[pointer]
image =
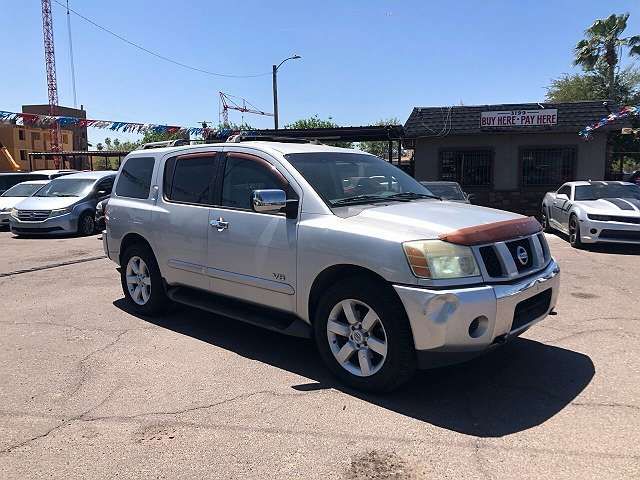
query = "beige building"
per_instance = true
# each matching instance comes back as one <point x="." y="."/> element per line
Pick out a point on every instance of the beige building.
<point x="22" y="140"/>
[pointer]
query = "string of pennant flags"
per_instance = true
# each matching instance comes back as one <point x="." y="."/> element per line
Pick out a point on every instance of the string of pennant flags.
<point x="49" y="121"/>
<point x="612" y="117"/>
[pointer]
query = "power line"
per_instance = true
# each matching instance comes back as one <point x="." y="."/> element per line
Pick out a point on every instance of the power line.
<point x="158" y="55"/>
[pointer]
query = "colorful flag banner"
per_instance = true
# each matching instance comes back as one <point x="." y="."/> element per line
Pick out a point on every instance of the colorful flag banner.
<point x="612" y="117"/>
<point x="48" y="121"/>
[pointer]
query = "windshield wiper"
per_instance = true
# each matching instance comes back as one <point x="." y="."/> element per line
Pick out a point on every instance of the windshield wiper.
<point x="413" y="195"/>
<point x="358" y="199"/>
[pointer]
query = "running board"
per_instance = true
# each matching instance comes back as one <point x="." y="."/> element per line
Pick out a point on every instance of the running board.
<point x="264" y="317"/>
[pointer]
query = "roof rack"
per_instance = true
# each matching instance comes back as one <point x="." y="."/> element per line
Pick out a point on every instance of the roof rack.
<point x="248" y="137"/>
<point x="166" y="143"/>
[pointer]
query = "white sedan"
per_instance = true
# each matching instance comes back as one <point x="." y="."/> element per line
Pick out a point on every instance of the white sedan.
<point x="594" y="212"/>
<point x="10" y="198"/>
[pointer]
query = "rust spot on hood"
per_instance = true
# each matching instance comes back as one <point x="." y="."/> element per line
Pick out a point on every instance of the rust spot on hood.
<point x="493" y="232"/>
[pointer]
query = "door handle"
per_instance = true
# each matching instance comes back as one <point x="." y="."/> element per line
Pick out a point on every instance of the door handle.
<point x="219" y="224"/>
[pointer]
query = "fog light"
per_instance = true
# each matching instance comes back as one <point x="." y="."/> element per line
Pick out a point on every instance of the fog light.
<point x="478" y="326"/>
<point x="593" y="231"/>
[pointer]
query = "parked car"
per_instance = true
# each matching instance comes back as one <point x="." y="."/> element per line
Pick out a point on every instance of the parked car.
<point x="15" y="195"/>
<point x="385" y="277"/>
<point x="447" y="191"/>
<point x="9" y="179"/>
<point x="594" y="212"/>
<point x="99" y="219"/>
<point x="65" y="205"/>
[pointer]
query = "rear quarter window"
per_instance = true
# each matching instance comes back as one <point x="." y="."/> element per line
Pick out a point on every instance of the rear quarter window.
<point x="134" y="180"/>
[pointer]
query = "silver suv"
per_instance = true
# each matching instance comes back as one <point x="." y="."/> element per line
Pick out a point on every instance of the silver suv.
<point x="331" y="244"/>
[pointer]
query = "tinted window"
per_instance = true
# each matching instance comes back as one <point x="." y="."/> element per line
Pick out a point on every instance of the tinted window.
<point x="243" y="175"/>
<point x="135" y="178"/>
<point x="106" y="185"/>
<point x="566" y="190"/>
<point x="192" y="180"/>
<point x="8" y="181"/>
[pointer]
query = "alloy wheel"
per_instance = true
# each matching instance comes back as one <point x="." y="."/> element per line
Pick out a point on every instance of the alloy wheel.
<point x="357" y="337"/>
<point x="572" y="230"/>
<point x="138" y="280"/>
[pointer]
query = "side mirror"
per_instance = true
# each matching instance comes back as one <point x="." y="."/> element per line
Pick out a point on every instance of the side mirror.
<point x="268" y="201"/>
<point x="102" y="192"/>
<point x="470" y="196"/>
<point x="562" y="196"/>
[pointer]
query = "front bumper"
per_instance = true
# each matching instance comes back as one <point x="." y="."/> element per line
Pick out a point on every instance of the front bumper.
<point x="453" y="325"/>
<point x="62" y="224"/>
<point x="593" y="231"/>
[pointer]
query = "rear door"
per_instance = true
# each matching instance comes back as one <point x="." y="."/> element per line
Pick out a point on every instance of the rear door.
<point x="252" y="255"/>
<point x="181" y="221"/>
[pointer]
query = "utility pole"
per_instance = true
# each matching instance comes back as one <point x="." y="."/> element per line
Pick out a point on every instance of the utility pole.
<point x="275" y="88"/>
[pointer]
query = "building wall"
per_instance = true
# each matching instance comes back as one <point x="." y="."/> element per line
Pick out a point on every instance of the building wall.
<point x="506" y="191"/>
<point x="31" y="139"/>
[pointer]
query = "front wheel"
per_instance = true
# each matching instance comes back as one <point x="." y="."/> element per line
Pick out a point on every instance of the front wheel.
<point x="546" y="226"/>
<point x="363" y="335"/>
<point x="86" y="224"/>
<point x="574" y="232"/>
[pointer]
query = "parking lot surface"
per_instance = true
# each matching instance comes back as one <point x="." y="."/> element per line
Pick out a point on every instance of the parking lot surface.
<point x="89" y="390"/>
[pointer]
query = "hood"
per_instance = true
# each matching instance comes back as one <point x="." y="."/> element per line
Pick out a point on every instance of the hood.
<point x="46" y="203"/>
<point x="423" y="219"/>
<point x="612" y="206"/>
<point x="10" y="202"/>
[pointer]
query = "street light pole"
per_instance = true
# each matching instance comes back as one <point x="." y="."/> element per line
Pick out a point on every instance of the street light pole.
<point x="275" y="97"/>
<point x="275" y="88"/>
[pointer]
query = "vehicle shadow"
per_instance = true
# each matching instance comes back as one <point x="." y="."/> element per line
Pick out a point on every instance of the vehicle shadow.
<point x="606" y="248"/>
<point x="514" y="388"/>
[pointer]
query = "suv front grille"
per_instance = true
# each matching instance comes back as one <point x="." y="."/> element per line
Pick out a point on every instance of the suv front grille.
<point x="33" y="215"/>
<point x="514" y="258"/>
<point x="524" y="262"/>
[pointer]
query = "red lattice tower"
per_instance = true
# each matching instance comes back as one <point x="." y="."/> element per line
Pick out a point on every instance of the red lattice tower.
<point x="52" y="84"/>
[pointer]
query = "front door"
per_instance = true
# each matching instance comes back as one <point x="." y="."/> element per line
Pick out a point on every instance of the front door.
<point x="251" y="256"/>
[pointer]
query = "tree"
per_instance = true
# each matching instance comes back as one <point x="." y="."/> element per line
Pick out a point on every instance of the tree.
<point x="593" y="86"/>
<point x="381" y="149"/>
<point x="599" y="48"/>
<point x="316" y="122"/>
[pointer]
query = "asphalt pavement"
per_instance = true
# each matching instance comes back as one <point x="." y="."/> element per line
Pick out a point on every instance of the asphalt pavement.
<point x="90" y="390"/>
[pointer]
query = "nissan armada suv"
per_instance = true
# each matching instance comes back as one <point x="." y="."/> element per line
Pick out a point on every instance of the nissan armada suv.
<point x="331" y="244"/>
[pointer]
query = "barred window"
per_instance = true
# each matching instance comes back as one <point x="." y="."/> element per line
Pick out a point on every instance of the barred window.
<point x="467" y="167"/>
<point x="547" y="166"/>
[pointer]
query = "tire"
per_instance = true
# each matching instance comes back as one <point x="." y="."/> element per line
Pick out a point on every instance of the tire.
<point x="574" y="232"/>
<point x="546" y="226"/>
<point x="391" y="334"/>
<point x="86" y="224"/>
<point x="152" y="298"/>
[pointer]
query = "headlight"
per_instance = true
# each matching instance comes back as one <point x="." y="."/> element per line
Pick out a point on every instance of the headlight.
<point x="59" y="211"/>
<point x="437" y="259"/>
<point x="14" y="212"/>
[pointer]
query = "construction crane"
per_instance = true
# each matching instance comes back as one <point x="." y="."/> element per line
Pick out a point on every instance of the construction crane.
<point x="231" y="102"/>
<point x="52" y="84"/>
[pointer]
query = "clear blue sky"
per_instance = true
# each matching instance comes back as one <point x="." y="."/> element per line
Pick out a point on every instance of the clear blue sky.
<point x="362" y="60"/>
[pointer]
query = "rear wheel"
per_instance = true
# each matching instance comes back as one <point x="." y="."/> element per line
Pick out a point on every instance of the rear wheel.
<point x="142" y="282"/>
<point x="574" y="232"/>
<point x="363" y="335"/>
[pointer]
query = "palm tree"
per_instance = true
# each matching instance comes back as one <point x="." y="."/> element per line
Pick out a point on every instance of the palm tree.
<point x="601" y="46"/>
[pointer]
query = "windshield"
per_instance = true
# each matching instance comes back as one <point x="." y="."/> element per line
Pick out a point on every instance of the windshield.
<point x="446" y="191"/>
<point x="344" y="178"/>
<point x="66" y="187"/>
<point x="22" y="190"/>
<point x="596" y="191"/>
